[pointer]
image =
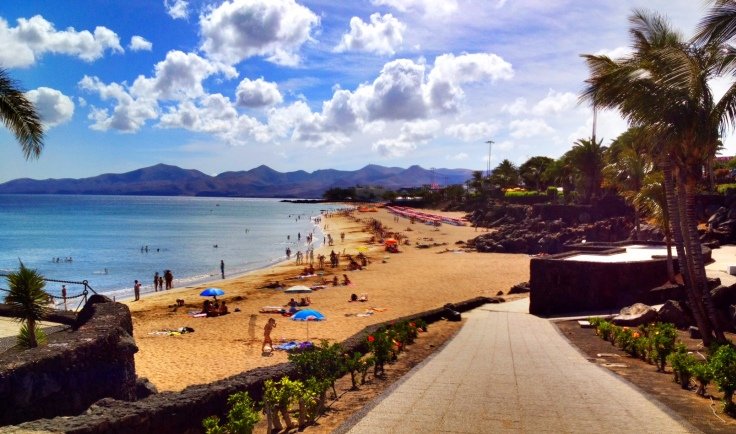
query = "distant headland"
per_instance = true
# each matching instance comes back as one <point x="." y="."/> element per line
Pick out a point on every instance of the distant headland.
<point x="262" y="181"/>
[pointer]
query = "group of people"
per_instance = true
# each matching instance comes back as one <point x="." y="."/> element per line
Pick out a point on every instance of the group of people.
<point x="158" y="281"/>
<point x="59" y="260"/>
<point x="214" y="308"/>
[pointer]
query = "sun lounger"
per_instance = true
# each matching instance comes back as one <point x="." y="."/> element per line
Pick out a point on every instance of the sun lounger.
<point x="272" y="309"/>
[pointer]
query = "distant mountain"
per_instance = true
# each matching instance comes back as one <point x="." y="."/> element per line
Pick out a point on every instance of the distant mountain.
<point x="262" y="181"/>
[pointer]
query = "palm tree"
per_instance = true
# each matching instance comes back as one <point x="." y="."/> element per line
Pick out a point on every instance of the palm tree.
<point x="532" y="171"/>
<point x="20" y="116"/>
<point x="505" y="175"/>
<point x="27" y="299"/>
<point x="628" y="164"/>
<point x="663" y="87"/>
<point x="651" y="199"/>
<point x="588" y="158"/>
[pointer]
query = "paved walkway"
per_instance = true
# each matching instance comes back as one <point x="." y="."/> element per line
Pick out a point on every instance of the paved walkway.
<point x="507" y="371"/>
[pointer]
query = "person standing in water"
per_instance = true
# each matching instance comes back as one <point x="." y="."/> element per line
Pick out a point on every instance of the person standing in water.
<point x="222" y="268"/>
<point x="155" y="282"/>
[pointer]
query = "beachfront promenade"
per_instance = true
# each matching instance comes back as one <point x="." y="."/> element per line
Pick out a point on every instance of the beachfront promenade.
<point x="509" y="371"/>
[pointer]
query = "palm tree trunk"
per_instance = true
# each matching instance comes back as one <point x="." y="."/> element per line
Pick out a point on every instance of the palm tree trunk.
<point x="673" y="210"/>
<point x="31" y="323"/>
<point x="699" y="277"/>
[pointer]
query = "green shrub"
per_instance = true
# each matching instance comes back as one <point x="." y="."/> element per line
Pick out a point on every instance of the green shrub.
<point x="380" y="345"/>
<point x="241" y="418"/>
<point x="605" y="330"/>
<point x="324" y="362"/>
<point x="681" y="363"/>
<point x="702" y="372"/>
<point x="663" y="336"/>
<point x="524" y="194"/>
<point x="723" y="363"/>
<point x="724" y="188"/>
<point x="421" y="324"/>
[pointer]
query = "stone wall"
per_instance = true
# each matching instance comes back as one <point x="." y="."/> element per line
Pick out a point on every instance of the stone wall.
<point x="74" y="370"/>
<point x="559" y="287"/>
<point x="182" y="412"/>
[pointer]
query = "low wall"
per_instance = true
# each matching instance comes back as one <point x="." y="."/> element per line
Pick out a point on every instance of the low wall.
<point x="182" y="412"/>
<point x="558" y="286"/>
<point x="74" y="370"/>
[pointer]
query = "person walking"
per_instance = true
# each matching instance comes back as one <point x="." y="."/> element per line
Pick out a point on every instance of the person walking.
<point x="222" y="268"/>
<point x="137" y="290"/>
<point x="270" y="325"/>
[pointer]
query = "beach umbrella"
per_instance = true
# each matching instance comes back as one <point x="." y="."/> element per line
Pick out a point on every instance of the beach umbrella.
<point x="308" y="315"/>
<point x="212" y="292"/>
<point x="298" y="289"/>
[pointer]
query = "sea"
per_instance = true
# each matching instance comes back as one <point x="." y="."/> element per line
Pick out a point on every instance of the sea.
<point x="110" y="241"/>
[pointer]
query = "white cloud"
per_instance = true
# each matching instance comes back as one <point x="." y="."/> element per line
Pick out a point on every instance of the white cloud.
<point x="525" y="128"/>
<point x="240" y="29"/>
<point x="382" y="36"/>
<point x="53" y="107"/>
<point x="139" y="43"/>
<point x="555" y="103"/>
<point x="427" y="7"/>
<point x="23" y="45"/>
<point x="395" y="94"/>
<point x="473" y="131"/>
<point x="460" y="156"/>
<point x="450" y="71"/>
<point x="177" y="9"/>
<point x="411" y="135"/>
<point x="257" y="93"/>
<point x="129" y="114"/>
<point x="517" y="107"/>
<point x="616" y="53"/>
<point x="180" y="76"/>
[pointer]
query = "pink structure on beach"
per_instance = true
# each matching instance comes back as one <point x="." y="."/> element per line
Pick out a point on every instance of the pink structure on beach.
<point x="423" y="216"/>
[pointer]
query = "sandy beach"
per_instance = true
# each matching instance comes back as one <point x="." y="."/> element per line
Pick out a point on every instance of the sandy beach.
<point x="396" y="285"/>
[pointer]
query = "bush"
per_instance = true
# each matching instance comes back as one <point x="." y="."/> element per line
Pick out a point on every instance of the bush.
<point x="723" y="363"/>
<point x="663" y="336"/>
<point x="725" y="188"/>
<point x="380" y="345"/>
<point x="703" y="374"/>
<point x="681" y="363"/>
<point x="241" y="418"/>
<point x="324" y="362"/>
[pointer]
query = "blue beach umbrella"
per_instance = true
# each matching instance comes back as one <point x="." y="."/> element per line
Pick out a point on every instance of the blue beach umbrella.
<point x="308" y="315"/>
<point x="212" y="292"/>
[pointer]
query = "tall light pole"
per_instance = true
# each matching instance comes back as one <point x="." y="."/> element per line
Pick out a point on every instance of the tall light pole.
<point x="490" y="143"/>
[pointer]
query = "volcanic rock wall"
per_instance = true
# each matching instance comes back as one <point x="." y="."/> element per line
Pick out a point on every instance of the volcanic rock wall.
<point x="74" y="370"/>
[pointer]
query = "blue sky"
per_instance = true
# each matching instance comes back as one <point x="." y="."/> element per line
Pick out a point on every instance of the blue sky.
<point x="220" y="86"/>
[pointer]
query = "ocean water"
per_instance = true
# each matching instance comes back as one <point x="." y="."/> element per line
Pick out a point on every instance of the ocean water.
<point x="106" y="238"/>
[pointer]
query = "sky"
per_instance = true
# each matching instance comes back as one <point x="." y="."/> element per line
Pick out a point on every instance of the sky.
<point x="230" y="85"/>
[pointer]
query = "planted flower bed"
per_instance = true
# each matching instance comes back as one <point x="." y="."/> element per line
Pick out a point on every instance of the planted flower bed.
<point x="658" y="344"/>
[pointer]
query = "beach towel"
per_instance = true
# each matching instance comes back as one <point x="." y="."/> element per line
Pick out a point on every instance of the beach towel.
<point x="318" y="287"/>
<point x="272" y="309"/>
<point x="293" y="346"/>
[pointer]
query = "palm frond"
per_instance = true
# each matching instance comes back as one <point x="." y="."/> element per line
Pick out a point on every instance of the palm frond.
<point x="20" y="117"/>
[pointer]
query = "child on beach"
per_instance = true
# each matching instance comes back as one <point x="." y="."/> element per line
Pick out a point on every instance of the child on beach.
<point x="270" y="325"/>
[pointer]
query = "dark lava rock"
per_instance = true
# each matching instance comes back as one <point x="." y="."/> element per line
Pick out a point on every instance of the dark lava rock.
<point x="520" y="288"/>
<point x="674" y="312"/>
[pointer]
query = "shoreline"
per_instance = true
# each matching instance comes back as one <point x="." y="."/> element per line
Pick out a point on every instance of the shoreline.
<point x="395" y="284"/>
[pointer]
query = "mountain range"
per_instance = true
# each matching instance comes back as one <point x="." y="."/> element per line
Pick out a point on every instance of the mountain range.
<point x="262" y="181"/>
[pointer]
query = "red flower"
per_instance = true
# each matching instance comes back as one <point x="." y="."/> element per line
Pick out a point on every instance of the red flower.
<point x="371" y="338"/>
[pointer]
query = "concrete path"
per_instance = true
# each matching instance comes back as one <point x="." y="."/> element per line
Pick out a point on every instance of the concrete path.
<point x="507" y="371"/>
